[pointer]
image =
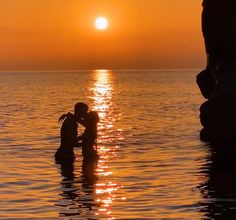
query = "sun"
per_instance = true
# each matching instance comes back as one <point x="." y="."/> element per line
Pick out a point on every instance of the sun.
<point x="101" y="23"/>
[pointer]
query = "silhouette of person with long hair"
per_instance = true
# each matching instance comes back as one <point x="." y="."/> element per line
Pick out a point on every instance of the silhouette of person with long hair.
<point x="89" y="136"/>
<point x="69" y="133"/>
<point x="75" y="195"/>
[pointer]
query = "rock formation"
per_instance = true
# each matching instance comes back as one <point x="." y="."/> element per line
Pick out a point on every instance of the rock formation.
<point x="218" y="81"/>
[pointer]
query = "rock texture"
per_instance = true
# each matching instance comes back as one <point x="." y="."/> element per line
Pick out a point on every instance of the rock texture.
<point x="218" y="81"/>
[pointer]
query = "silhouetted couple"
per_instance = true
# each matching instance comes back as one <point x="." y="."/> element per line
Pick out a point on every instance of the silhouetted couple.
<point x="70" y="138"/>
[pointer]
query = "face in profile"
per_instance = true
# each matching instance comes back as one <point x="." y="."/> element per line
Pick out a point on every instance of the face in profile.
<point x="81" y="113"/>
<point x="93" y="117"/>
<point x="80" y="110"/>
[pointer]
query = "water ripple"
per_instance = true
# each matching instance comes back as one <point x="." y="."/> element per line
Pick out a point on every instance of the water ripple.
<point x="151" y="160"/>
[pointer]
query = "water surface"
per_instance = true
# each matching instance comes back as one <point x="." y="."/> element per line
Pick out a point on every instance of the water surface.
<point x="152" y="161"/>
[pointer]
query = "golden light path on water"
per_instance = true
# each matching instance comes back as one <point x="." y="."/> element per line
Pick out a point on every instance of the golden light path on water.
<point x="148" y="143"/>
<point x="102" y="102"/>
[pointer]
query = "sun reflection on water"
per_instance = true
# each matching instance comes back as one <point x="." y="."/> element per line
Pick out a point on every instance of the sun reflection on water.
<point x="90" y="191"/>
<point x="101" y="98"/>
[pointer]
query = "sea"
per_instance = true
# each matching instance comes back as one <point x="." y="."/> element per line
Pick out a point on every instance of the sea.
<point x="152" y="162"/>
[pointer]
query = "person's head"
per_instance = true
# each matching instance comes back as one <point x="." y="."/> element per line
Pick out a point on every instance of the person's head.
<point x="80" y="109"/>
<point x="92" y="117"/>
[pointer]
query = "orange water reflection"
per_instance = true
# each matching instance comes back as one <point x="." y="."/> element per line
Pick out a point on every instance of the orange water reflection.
<point x="101" y="97"/>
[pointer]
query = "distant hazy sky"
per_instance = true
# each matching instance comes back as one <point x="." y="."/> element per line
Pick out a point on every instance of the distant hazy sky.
<point x="60" y="34"/>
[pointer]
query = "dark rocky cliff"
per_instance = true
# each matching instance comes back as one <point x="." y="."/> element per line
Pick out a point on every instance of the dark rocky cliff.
<point x="218" y="81"/>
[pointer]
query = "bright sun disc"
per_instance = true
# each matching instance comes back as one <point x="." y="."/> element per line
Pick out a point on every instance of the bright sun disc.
<point x="101" y="23"/>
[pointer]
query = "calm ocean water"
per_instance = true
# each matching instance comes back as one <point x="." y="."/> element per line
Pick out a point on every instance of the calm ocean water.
<point x="152" y="160"/>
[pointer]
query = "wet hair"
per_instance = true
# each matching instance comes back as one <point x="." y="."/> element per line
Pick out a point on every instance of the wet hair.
<point x="92" y="117"/>
<point x="81" y="106"/>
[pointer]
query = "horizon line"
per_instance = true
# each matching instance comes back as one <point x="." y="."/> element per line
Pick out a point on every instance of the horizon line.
<point x="82" y="70"/>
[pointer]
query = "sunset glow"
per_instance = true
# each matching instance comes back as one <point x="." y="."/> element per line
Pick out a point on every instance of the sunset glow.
<point x="61" y="35"/>
<point x="101" y="23"/>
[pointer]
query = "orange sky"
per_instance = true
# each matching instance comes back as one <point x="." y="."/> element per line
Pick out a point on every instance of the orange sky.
<point x="60" y="34"/>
